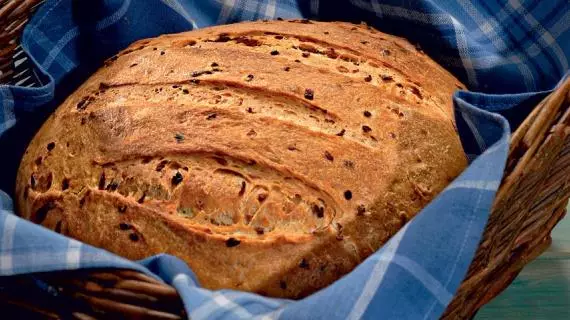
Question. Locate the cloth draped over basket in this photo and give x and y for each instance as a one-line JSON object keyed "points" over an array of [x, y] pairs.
{"points": [[511, 55]]}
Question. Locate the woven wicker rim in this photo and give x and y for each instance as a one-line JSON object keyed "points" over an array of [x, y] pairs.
{"points": [[13, 17]]}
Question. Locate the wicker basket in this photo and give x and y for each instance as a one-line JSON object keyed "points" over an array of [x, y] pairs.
{"points": [[531, 200]]}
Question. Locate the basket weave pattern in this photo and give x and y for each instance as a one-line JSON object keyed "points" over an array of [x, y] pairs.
{"points": [[13, 17], [531, 200]]}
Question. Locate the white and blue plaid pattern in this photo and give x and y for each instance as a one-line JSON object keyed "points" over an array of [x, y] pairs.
{"points": [[510, 53]]}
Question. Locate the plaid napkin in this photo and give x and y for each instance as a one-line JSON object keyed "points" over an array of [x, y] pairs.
{"points": [[509, 53]]}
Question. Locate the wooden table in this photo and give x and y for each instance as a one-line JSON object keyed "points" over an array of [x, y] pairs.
{"points": [[542, 289]]}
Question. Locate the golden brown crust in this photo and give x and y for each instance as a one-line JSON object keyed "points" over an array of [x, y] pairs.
{"points": [[272, 157]]}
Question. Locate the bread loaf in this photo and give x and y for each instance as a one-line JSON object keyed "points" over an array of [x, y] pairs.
{"points": [[272, 157]]}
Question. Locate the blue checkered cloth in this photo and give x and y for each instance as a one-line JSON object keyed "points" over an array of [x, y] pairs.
{"points": [[511, 54]]}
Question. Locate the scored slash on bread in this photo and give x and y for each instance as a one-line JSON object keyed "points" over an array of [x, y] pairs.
{"points": [[272, 157]]}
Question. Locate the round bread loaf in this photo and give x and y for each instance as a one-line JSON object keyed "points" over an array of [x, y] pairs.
{"points": [[272, 157]]}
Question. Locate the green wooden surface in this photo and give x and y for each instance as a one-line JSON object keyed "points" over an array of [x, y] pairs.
{"points": [[542, 289]]}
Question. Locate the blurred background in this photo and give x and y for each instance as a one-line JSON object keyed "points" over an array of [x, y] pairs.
{"points": [[542, 289]]}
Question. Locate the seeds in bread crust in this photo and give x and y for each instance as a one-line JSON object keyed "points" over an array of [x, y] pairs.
{"points": [[309, 94]]}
